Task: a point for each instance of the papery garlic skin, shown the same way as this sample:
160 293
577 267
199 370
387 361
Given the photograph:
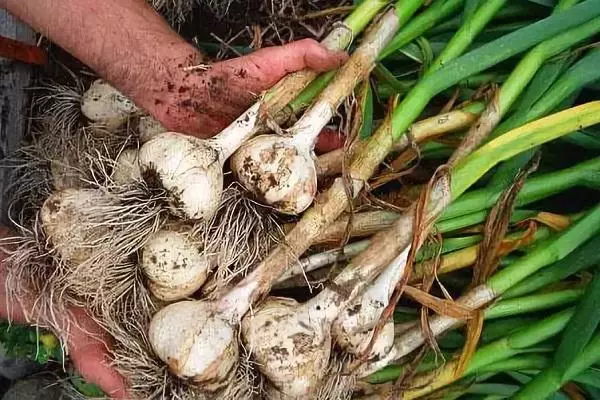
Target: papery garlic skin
193 339
277 171
104 104
188 168
174 264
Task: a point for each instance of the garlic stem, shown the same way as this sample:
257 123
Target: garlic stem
331 163
319 260
230 138
365 310
280 171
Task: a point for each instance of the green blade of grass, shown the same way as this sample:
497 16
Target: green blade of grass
585 256
535 302
536 188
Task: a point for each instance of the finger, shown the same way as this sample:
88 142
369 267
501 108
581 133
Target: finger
269 65
88 345
308 53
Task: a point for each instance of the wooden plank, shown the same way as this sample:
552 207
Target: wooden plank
14 100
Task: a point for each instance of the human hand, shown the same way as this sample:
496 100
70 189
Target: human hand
204 101
87 343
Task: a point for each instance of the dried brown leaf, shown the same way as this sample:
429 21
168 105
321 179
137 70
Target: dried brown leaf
444 307
492 248
557 222
434 198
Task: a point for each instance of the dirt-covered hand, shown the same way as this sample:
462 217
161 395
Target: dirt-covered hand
203 100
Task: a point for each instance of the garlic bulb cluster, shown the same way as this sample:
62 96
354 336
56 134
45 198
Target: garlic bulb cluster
104 104
174 264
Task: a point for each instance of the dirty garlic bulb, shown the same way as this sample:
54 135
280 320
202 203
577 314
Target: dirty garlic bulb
278 170
191 169
105 105
174 263
353 329
198 340
291 344
65 220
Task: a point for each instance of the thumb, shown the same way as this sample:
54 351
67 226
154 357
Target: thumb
269 65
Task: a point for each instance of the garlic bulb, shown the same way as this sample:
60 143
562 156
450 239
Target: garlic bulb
174 264
126 168
278 171
65 221
290 343
104 104
191 169
196 342
355 324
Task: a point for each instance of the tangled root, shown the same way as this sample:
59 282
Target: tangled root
58 106
175 11
239 236
30 273
338 385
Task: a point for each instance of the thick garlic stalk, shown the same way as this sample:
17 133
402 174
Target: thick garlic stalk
353 329
280 169
191 169
105 105
175 264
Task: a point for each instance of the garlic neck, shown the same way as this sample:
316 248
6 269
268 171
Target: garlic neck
327 305
306 130
386 282
240 130
237 301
